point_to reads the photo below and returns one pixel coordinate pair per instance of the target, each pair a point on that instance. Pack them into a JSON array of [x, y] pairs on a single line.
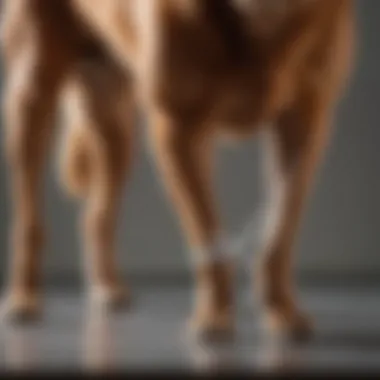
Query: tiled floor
[[150, 337]]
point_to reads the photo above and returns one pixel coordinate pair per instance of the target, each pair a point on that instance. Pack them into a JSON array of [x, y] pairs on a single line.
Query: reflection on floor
[[150, 337]]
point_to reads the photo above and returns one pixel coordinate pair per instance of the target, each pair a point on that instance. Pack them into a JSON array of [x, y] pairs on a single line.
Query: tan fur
[[197, 68]]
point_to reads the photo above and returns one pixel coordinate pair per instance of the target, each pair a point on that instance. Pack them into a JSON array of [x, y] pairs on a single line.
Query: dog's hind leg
[[35, 64], [97, 154]]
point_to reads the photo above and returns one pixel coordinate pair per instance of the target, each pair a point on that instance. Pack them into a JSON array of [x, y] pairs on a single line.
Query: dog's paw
[[211, 329], [20, 308], [290, 324], [108, 298]]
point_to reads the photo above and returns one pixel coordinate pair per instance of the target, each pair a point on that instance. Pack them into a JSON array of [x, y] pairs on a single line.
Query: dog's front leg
[[184, 155], [297, 142]]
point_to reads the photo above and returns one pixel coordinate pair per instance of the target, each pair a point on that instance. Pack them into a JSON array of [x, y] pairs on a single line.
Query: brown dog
[[197, 68]]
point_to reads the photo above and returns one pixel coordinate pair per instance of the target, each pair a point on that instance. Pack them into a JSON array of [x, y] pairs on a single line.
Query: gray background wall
[[340, 236]]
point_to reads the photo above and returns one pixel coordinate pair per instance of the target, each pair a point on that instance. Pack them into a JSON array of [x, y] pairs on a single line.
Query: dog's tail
[[75, 149]]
